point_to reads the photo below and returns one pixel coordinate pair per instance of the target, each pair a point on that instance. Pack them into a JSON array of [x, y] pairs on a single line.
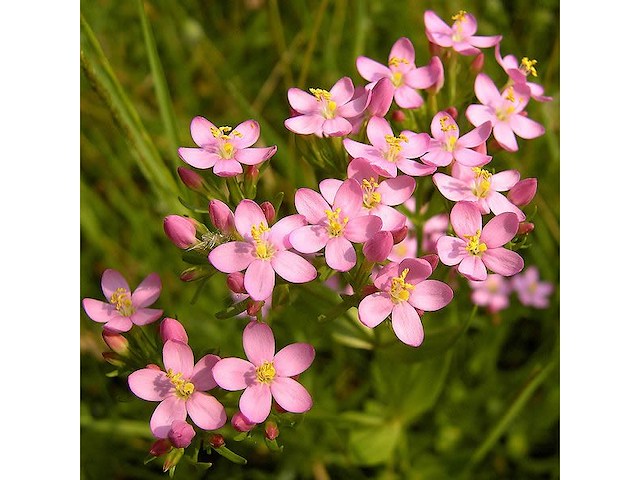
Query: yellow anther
[[461, 15], [474, 247], [510, 96], [121, 299], [395, 61], [370, 198], [320, 94], [528, 66], [336, 226], [183, 388], [394, 146], [328, 106], [443, 124], [400, 289], [263, 249], [266, 372], [258, 230], [482, 184], [503, 114], [220, 132]]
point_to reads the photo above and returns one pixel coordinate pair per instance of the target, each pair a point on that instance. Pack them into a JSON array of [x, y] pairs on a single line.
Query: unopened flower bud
[[180, 230], [181, 434], [197, 272], [235, 282], [378, 248], [369, 289], [398, 116], [113, 358], [251, 175], [221, 216], [269, 212], [381, 97], [191, 179], [254, 307], [400, 234], [217, 441], [171, 329], [241, 423], [453, 111], [525, 228], [432, 259], [116, 342], [153, 366], [477, 63], [160, 447], [523, 192], [271, 430]]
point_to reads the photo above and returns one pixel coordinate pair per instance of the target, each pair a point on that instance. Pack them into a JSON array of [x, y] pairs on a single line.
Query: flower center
[[527, 66], [122, 301], [394, 146], [328, 105], [505, 113], [458, 18], [474, 247], [226, 150], [533, 286], [263, 249], [400, 290], [370, 198], [183, 388], [266, 372], [482, 183], [336, 226], [396, 79]]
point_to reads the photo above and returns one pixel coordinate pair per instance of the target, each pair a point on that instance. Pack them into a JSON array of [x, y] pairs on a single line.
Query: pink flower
[[265, 375], [180, 390], [433, 229], [519, 71], [224, 148], [531, 291], [461, 35], [492, 293], [180, 230], [446, 146], [334, 227], [124, 308], [325, 113], [403, 289], [476, 249], [478, 186], [504, 111], [388, 153], [405, 77], [407, 248], [523, 192], [263, 251]]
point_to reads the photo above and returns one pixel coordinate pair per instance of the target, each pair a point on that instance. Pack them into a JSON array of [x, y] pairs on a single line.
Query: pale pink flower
[[481, 187], [124, 308], [492, 293], [224, 148], [504, 111], [263, 251], [475, 248], [387, 153], [267, 374], [519, 72], [180, 390], [407, 248], [326, 113], [531, 291], [335, 227], [402, 71], [404, 288], [446, 145], [460, 36]]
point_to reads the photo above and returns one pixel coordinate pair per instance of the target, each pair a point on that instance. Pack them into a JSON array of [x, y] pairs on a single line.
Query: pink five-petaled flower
[[504, 111], [334, 227], [481, 187], [402, 72], [387, 153], [263, 251], [460, 35], [531, 291], [446, 146], [476, 248], [326, 113], [403, 289], [124, 308], [180, 390], [224, 148], [519, 71], [492, 293], [267, 374]]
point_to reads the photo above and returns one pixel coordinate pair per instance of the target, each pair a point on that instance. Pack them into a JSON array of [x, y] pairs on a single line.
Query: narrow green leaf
[[229, 455]]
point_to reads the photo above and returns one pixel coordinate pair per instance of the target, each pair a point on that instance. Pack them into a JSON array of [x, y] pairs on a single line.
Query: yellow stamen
[[474, 247], [396, 79], [370, 198], [122, 301], [528, 66], [263, 249], [482, 184], [183, 388], [320, 94], [461, 15], [328, 106], [221, 132], [335, 226], [400, 290], [395, 61], [394, 146], [227, 150], [266, 372], [443, 124], [510, 96]]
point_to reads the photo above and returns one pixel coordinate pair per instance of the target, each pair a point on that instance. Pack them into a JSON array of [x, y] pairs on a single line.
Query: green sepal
[[231, 456], [233, 310]]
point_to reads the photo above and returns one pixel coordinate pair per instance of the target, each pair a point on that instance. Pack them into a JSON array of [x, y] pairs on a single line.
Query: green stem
[[453, 70]]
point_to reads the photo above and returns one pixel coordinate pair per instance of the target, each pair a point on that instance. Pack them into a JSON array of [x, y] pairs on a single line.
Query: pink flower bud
[[453, 111], [180, 230], [523, 192], [116, 342], [378, 248], [525, 228], [160, 447], [477, 63], [400, 234], [381, 98], [217, 441], [171, 329], [432, 259], [269, 212], [191, 179], [398, 116], [221, 216], [241, 423], [271, 430], [235, 282], [254, 307], [181, 434], [153, 366]]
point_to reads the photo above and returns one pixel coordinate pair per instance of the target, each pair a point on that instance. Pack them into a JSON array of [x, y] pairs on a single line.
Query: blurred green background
[[480, 405]]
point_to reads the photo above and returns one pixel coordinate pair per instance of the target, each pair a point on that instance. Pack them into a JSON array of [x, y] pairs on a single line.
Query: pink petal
[[468, 25], [255, 155], [382, 279], [499, 230], [436, 127], [290, 395], [395, 191], [310, 238], [503, 181], [377, 129], [293, 268], [381, 97], [342, 91], [336, 127], [371, 70], [259, 279], [357, 149], [150, 384], [234, 373], [406, 324], [227, 168], [407, 97], [486, 90], [111, 281], [479, 114], [416, 146], [437, 156], [451, 250], [311, 204], [170, 409], [147, 292], [465, 219], [349, 198], [206, 411], [452, 188], [293, 359], [403, 49], [385, 168], [118, 323], [198, 157], [145, 316], [435, 25], [248, 214], [391, 218], [361, 229], [178, 357], [302, 102], [279, 234], [329, 187], [305, 124], [485, 42], [232, 256], [419, 269], [471, 158], [422, 77], [374, 308], [99, 311], [340, 254], [524, 127], [258, 343], [355, 107], [503, 261], [202, 375], [255, 403], [473, 268], [201, 131], [505, 137], [249, 131], [498, 204], [431, 295], [379, 247], [415, 169], [476, 136]]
